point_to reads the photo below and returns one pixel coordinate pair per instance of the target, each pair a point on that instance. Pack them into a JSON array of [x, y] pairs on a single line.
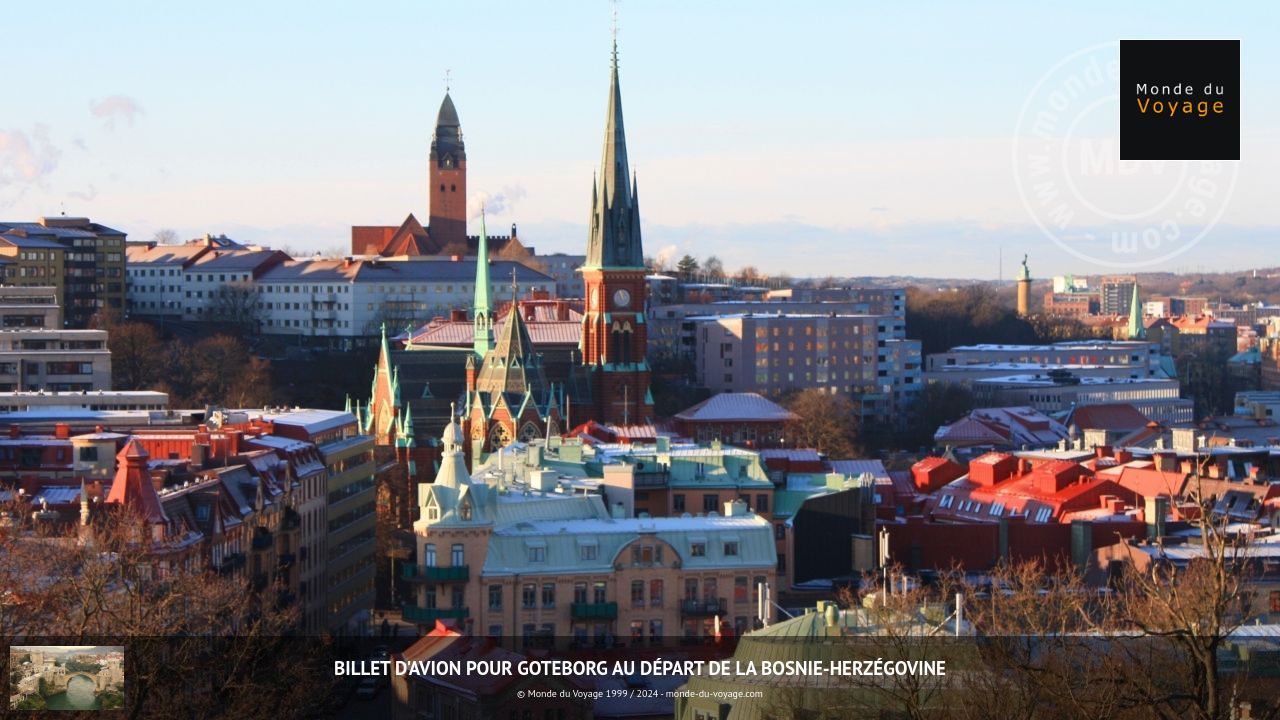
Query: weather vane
[[447, 76]]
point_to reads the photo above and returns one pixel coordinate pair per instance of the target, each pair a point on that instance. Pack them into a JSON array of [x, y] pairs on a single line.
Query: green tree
[[687, 266]]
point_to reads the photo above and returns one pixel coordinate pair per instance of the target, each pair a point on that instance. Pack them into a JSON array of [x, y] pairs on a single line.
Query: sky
[[810, 138]]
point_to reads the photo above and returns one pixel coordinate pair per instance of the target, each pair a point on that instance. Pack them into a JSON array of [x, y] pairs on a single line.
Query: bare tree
[[165, 236], [238, 306]]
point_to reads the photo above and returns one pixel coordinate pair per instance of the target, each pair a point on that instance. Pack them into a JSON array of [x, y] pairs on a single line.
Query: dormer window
[[433, 513], [464, 510]]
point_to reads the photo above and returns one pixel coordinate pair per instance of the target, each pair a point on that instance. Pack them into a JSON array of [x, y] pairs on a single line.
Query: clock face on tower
[[621, 298]]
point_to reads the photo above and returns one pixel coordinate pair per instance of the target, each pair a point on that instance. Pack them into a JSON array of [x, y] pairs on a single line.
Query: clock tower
[[614, 335]]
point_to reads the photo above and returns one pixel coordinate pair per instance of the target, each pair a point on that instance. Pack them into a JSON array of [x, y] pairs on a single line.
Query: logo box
[[1179, 99]]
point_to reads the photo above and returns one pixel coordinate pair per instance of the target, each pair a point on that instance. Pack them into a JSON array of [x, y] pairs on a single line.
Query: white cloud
[[26, 159], [110, 108], [495, 203]]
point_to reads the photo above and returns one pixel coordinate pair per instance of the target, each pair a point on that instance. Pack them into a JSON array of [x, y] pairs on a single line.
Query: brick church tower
[[448, 178], [614, 336]]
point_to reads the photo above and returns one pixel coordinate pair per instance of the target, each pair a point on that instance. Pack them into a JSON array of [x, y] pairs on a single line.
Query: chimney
[[199, 454], [1123, 456], [15, 431], [61, 430], [233, 441]]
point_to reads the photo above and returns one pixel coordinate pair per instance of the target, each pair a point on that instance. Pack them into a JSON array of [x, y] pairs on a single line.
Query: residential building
[[341, 303], [866, 356], [1058, 391], [1097, 358], [348, 521], [159, 285], [29, 260], [92, 261], [54, 360], [539, 560], [33, 306], [1115, 294]]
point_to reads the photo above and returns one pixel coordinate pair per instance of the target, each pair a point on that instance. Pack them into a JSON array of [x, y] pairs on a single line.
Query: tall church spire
[[483, 314], [1136, 331], [614, 240]]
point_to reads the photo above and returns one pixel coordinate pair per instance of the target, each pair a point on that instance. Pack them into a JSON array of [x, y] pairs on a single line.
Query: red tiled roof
[[132, 486], [1110, 416]]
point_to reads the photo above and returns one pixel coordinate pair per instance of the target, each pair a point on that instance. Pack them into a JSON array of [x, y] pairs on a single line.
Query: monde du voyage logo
[[1180, 99]]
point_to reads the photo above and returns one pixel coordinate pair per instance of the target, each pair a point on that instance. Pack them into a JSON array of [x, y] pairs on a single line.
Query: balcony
[[413, 613], [455, 574], [594, 611], [696, 608]]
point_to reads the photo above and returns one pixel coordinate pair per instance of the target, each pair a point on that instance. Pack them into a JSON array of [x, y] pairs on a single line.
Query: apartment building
[[541, 560], [92, 277]]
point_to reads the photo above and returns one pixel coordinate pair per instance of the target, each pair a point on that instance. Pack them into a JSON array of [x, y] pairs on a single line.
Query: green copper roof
[[482, 306], [614, 239], [1135, 330]]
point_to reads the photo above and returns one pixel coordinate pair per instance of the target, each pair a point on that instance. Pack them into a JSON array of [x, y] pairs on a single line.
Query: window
[[691, 589], [1042, 515], [637, 593], [741, 593], [580, 592], [731, 548], [599, 594], [537, 553], [1275, 601], [710, 502], [762, 503], [495, 597], [698, 549], [780, 531], [655, 631], [548, 595], [88, 454], [429, 558], [655, 593], [677, 502], [529, 596], [588, 552]]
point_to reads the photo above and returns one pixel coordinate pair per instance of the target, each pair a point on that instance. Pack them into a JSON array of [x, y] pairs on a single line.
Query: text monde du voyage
[[1179, 99]]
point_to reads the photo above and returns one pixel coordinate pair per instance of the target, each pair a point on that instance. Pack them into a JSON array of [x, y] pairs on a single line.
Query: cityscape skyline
[[818, 175]]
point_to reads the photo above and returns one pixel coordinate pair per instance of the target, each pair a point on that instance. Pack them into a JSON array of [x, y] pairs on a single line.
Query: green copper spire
[[481, 308], [614, 239], [1136, 330]]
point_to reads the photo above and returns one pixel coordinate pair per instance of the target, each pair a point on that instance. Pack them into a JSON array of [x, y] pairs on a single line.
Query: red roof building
[[748, 419]]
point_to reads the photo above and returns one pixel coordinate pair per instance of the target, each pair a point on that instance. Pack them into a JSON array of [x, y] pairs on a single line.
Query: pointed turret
[[1136, 330], [614, 239], [481, 306], [132, 486]]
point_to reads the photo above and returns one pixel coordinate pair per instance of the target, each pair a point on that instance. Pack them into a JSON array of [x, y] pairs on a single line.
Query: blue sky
[[845, 138]]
